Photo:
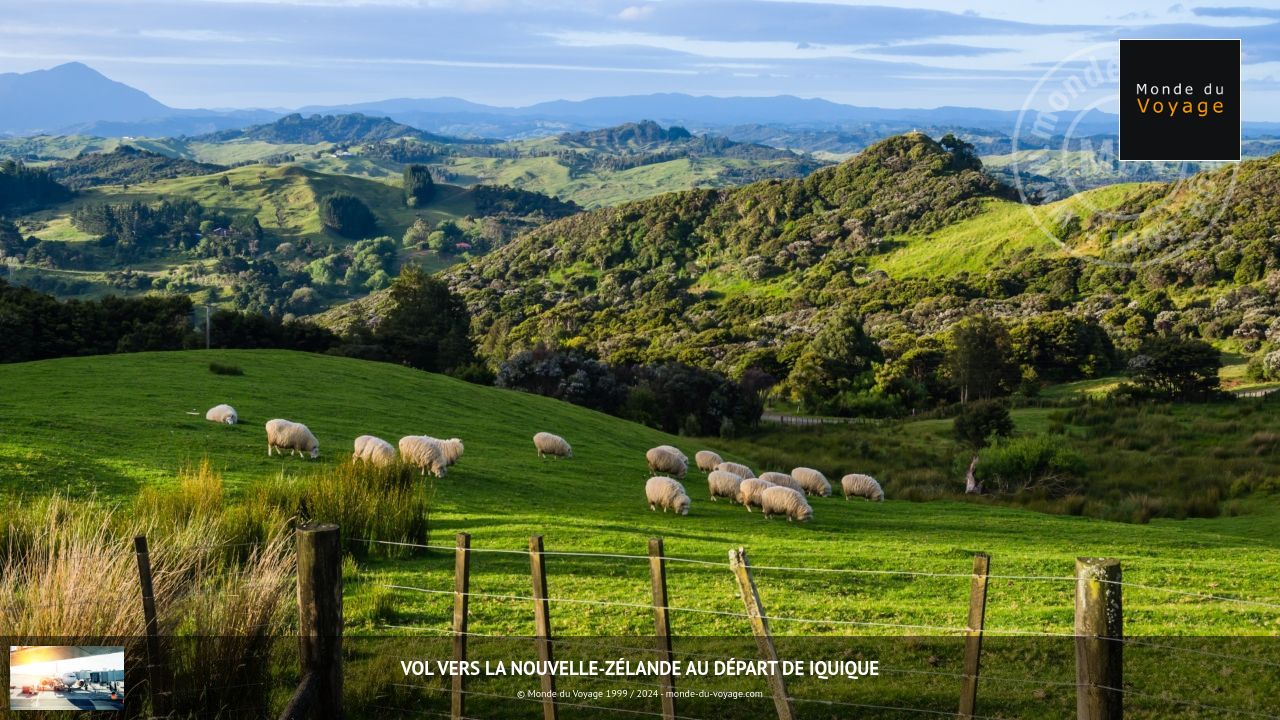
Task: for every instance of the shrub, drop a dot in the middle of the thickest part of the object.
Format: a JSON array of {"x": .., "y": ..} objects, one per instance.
[
  {"x": 1033, "y": 463},
  {"x": 347, "y": 215}
]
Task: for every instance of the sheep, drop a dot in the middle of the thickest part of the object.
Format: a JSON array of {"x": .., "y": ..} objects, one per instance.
[
  {"x": 663, "y": 459},
  {"x": 373, "y": 450},
  {"x": 676, "y": 451},
  {"x": 452, "y": 450},
  {"x": 295, "y": 437},
  {"x": 666, "y": 493},
  {"x": 783, "y": 479},
  {"x": 785, "y": 501},
  {"x": 813, "y": 482},
  {"x": 863, "y": 486},
  {"x": 749, "y": 491},
  {"x": 707, "y": 460},
  {"x": 424, "y": 453},
  {"x": 222, "y": 414},
  {"x": 723, "y": 484},
  {"x": 738, "y": 469},
  {"x": 552, "y": 445}
]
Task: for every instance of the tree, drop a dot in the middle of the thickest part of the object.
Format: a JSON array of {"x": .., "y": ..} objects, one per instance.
[
  {"x": 347, "y": 215},
  {"x": 839, "y": 353},
  {"x": 974, "y": 427},
  {"x": 427, "y": 326},
  {"x": 418, "y": 186},
  {"x": 1174, "y": 368},
  {"x": 980, "y": 358}
]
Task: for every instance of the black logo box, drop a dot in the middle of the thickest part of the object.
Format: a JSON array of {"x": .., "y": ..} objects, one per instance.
[{"x": 1180, "y": 65}]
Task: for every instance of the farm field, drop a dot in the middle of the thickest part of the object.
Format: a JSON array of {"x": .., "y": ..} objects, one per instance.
[{"x": 99, "y": 429}]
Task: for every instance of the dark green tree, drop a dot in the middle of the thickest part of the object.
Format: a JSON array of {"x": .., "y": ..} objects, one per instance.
[
  {"x": 418, "y": 186},
  {"x": 427, "y": 326},
  {"x": 1173, "y": 368},
  {"x": 980, "y": 359},
  {"x": 347, "y": 215},
  {"x": 830, "y": 365},
  {"x": 974, "y": 427}
]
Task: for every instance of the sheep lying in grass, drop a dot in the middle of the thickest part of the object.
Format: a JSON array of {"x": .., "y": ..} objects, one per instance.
[
  {"x": 785, "y": 501},
  {"x": 863, "y": 486},
  {"x": 552, "y": 445},
  {"x": 749, "y": 491},
  {"x": 452, "y": 450},
  {"x": 666, "y": 493},
  {"x": 424, "y": 453},
  {"x": 707, "y": 460},
  {"x": 295, "y": 437},
  {"x": 723, "y": 485},
  {"x": 666, "y": 459},
  {"x": 222, "y": 414},
  {"x": 812, "y": 481},
  {"x": 373, "y": 450},
  {"x": 783, "y": 479},
  {"x": 738, "y": 469}
]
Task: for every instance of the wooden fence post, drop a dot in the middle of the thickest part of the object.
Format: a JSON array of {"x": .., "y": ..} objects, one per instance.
[
  {"x": 320, "y": 622},
  {"x": 662, "y": 625},
  {"x": 973, "y": 634},
  {"x": 542, "y": 626},
  {"x": 155, "y": 661},
  {"x": 461, "y": 588},
  {"x": 760, "y": 627},
  {"x": 1099, "y": 640}
]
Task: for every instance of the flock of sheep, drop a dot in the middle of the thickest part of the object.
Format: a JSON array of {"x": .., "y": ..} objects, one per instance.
[{"x": 775, "y": 493}]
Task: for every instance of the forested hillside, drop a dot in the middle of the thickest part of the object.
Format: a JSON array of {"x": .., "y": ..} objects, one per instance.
[
  {"x": 126, "y": 165},
  {"x": 781, "y": 277}
]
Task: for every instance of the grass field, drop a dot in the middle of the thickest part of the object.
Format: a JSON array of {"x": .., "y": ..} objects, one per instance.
[{"x": 101, "y": 428}]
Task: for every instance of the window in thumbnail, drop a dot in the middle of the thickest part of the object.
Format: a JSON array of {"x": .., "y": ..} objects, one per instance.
[{"x": 66, "y": 677}]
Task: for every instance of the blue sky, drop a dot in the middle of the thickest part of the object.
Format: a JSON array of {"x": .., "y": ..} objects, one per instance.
[{"x": 910, "y": 53}]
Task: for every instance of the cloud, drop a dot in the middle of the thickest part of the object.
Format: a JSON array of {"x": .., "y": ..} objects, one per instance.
[
  {"x": 937, "y": 50},
  {"x": 635, "y": 12},
  {"x": 1238, "y": 11}
]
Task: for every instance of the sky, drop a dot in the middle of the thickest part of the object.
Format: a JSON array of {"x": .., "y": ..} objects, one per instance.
[
  {"x": 110, "y": 661},
  {"x": 903, "y": 53}
]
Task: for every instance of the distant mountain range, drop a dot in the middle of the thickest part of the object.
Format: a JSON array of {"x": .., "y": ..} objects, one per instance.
[{"x": 76, "y": 99}]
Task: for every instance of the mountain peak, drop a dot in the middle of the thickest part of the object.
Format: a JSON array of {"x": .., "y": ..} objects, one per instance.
[{"x": 69, "y": 94}]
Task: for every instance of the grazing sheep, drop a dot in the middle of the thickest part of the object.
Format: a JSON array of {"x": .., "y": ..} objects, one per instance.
[
  {"x": 738, "y": 469},
  {"x": 749, "y": 492},
  {"x": 424, "y": 453},
  {"x": 863, "y": 486},
  {"x": 552, "y": 445},
  {"x": 295, "y": 437},
  {"x": 785, "y": 501},
  {"x": 662, "y": 459},
  {"x": 707, "y": 460},
  {"x": 452, "y": 450},
  {"x": 668, "y": 494},
  {"x": 222, "y": 414},
  {"x": 723, "y": 484},
  {"x": 783, "y": 479},
  {"x": 677, "y": 451},
  {"x": 373, "y": 450},
  {"x": 813, "y": 482}
]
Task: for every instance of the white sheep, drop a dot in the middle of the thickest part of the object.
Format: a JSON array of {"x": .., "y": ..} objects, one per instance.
[
  {"x": 666, "y": 493},
  {"x": 749, "y": 491},
  {"x": 785, "y": 501},
  {"x": 813, "y": 482},
  {"x": 452, "y": 450},
  {"x": 424, "y": 453},
  {"x": 295, "y": 437},
  {"x": 553, "y": 445},
  {"x": 707, "y": 460},
  {"x": 783, "y": 479},
  {"x": 666, "y": 459},
  {"x": 373, "y": 450},
  {"x": 738, "y": 469},
  {"x": 723, "y": 484},
  {"x": 222, "y": 414},
  {"x": 677, "y": 451},
  {"x": 863, "y": 486}
]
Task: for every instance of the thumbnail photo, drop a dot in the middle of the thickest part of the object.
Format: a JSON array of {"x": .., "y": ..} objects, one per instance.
[{"x": 66, "y": 677}]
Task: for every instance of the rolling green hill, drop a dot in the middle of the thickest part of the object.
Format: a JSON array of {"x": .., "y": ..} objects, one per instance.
[{"x": 99, "y": 428}]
